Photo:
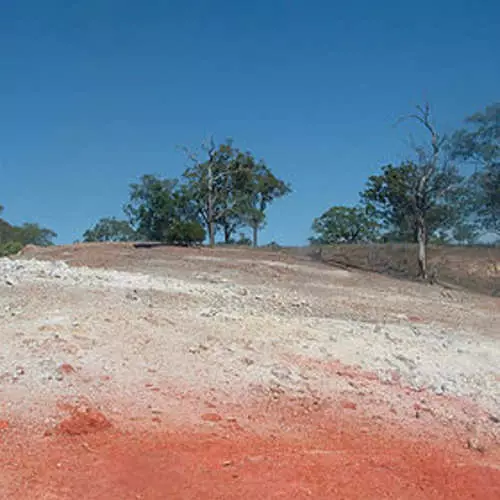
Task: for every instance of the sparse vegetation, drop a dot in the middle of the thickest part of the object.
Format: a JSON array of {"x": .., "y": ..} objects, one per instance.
[
  {"x": 427, "y": 199},
  {"x": 14, "y": 238}
]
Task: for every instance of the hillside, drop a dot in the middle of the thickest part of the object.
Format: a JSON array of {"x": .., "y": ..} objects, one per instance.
[
  {"x": 471, "y": 268},
  {"x": 131, "y": 373}
]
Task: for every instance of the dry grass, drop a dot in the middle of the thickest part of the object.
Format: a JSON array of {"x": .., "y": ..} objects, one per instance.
[{"x": 473, "y": 268}]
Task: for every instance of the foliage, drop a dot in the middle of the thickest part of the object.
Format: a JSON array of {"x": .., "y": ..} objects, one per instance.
[
  {"x": 7, "y": 232},
  {"x": 10, "y": 248},
  {"x": 185, "y": 233},
  {"x": 110, "y": 229},
  {"x": 210, "y": 183},
  {"x": 480, "y": 144},
  {"x": 231, "y": 189},
  {"x": 242, "y": 240},
  {"x": 155, "y": 204},
  {"x": 261, "y": 189},
  {"x": 393, "y": 198},
  {"x": 344, "y": 225},
  {"x": 33, "y": 234},
  {"x": 27, "y": 234},
  {"x": 465, "y": 233},
  {"x": 163, "y": 210}
]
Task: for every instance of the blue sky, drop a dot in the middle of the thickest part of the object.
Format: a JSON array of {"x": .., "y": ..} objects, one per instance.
[{"x": 95, "y": 93}]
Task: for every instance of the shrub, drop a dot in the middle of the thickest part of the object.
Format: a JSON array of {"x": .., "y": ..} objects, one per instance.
[
  {"x": 10, "y": 248},
  {"x": 185, "y": 233}
]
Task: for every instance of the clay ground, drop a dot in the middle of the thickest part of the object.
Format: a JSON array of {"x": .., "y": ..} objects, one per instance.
[{"x": 170, "y": 373}]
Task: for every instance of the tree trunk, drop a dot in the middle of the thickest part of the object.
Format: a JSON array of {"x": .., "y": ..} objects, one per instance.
[
  {"x": 255, "y": 230},
  {"x": 210, "y": 209},
  {"x": 227, "y": 233},
  {"x": 211, "y": 233},
  {"x": 422, "y": 249}
]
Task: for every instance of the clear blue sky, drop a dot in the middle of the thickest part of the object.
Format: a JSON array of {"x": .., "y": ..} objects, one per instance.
[{"x": 94, "y": 93}]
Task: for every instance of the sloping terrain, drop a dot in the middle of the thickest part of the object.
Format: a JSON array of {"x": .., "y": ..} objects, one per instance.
[
  {"x": 196, "y": 373},
  {"x": 473, "y": 268}
]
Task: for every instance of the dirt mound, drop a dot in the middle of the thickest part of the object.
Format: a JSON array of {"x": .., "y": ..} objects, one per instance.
[{"x": 83, "y": 421}]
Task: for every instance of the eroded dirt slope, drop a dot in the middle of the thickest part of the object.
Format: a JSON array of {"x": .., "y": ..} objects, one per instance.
[{"x": 189, "y": 373}]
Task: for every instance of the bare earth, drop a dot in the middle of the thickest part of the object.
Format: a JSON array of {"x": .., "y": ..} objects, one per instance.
[{"x": 194, "y": 373}]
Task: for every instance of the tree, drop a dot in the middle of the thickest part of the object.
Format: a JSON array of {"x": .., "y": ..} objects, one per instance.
[
  {"x": 14, "y": 238},
  {"x": 262, "y": 187},
  {"x": 418, "y": 198},
  {"x": 161, "y": 210},
  {"x": 152, "y": 206},
  {"x": 243, "y": 240},
  {"x": 110, "y": 229},
  {"x": 480, "y": 144},
  {"x": 33, "y": 234},
  {"x": 465, "y": 233},
  {"x": 344, "y": 225},
  {"x": 185, "y": 233},
  {"x": 210, "y": 185},
  {"x": 7, "y": 232},
  {"x": 231, "y": 188}
]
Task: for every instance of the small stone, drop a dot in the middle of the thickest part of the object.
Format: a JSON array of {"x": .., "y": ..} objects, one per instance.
[
  {"x": 415, "y": 319},
  {"x": 66, "y": 369},
  {"x": 475, "y": 444},
  {"x": 227, "y": 463},
  {"x": 494, "y": 419},
  {"x": 439, "y": 391},
  {"x": 211, "y": 417},
  {"x": 349, "y": 405}
]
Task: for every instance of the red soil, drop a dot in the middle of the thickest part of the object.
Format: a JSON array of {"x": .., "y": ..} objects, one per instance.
[
  {"x": 83, "y": 421},
  {"x": 313, "y": 456}
]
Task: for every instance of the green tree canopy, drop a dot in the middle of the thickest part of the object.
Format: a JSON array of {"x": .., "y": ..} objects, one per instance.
[
  {"x": 480, "y": 143},
  {"x": 396, "y": 198},
  {"x": 344, "y": 225},
  {"x": 110, "y": 229},
  {"x": 162, "y": 210},
  {"x": 33, "y": 234},
  {"x": 231, "y": 189},
  {"x": 260, "y": 189},
  {"x": 14, "y": 238}
]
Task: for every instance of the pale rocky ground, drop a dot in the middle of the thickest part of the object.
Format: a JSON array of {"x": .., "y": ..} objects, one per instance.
[{"x": 232, "y": 326}]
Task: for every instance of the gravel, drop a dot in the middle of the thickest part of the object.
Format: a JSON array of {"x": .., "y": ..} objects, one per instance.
[{"x": 208, "y": 330}]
